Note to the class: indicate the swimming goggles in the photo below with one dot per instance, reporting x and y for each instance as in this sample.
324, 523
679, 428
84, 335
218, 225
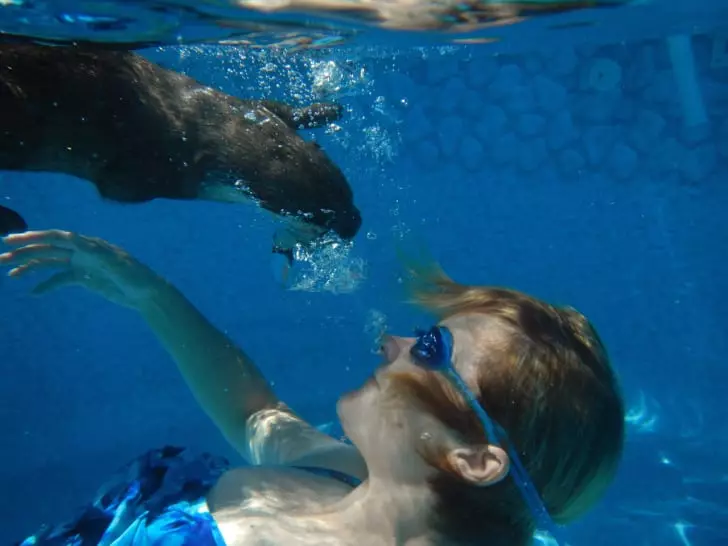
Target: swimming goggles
433, 350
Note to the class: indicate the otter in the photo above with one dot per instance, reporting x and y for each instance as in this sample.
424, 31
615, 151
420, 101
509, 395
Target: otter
139, 132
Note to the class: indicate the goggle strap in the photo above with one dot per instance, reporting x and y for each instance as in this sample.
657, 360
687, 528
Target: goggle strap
496, 434
520, 475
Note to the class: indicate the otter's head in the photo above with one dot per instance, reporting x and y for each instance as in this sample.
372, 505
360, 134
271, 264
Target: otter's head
318, 204
269, 163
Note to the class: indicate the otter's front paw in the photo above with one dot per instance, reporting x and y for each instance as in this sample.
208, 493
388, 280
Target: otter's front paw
317, 114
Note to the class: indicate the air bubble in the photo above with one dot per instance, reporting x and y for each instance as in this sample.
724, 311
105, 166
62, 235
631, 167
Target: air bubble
375, 327
325, 266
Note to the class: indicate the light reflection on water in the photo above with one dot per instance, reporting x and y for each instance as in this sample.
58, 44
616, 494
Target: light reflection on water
290, 24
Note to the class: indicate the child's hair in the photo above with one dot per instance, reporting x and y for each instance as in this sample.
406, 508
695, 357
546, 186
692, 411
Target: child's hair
552, 389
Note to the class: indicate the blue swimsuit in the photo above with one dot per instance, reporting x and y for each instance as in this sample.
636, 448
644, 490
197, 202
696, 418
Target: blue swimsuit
156, 500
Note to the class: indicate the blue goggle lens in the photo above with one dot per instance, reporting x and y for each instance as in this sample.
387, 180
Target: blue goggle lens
430, 350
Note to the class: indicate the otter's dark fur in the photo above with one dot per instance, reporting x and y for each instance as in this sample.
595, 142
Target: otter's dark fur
138, 132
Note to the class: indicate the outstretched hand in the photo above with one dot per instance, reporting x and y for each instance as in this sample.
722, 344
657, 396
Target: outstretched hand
86, 261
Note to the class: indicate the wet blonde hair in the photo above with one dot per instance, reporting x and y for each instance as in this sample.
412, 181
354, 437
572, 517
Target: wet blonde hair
553, 391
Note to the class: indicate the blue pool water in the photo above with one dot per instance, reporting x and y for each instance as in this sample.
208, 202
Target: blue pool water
590, 172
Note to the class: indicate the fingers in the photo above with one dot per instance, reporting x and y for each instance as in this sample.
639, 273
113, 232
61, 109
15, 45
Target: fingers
55, 237
34, 252
82, 260
83, 252
38, 265
35, 257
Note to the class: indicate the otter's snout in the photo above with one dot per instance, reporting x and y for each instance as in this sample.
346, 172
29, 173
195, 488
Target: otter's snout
347, 224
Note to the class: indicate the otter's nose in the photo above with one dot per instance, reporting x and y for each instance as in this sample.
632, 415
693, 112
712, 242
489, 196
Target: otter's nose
347, 224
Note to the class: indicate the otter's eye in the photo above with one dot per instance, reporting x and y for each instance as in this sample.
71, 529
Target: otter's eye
429, 350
